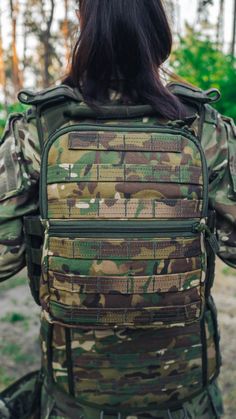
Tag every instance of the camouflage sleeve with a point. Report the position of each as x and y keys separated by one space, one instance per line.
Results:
x=19 y=173
x=219 y=142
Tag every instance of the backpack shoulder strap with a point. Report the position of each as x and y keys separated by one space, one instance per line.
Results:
x=48 y=107
x=200 y=100
x=62 y=92
x=193 y=94
x=54 y=94
x=58 y=106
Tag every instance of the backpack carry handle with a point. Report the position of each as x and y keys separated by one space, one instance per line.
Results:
x=104 y=112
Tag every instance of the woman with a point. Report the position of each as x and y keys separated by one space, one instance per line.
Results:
x=117 y=62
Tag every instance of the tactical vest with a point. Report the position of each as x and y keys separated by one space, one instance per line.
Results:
x=128 y=252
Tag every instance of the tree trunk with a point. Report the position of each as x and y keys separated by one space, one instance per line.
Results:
x=47 y=61
x=234 y=31
x=220 y=26
x=25 y=36
x=66 y=31
x=2 y=64
x=3 y=78
x=16 y=76
x=46 y=38
x=202 y=10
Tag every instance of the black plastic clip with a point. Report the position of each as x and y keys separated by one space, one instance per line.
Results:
x=185 y=413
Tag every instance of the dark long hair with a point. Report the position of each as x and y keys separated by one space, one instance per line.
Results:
x=123 y=44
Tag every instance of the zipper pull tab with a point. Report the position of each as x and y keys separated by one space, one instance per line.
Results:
x=210 y=237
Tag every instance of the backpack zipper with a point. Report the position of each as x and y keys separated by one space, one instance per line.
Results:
x=122 y=228
x=94 y=127
x=133 y=229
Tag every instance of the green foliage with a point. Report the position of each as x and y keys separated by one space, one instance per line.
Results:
x=17 y=107
x=201 y=63
x=227 y=271
x=5 y=379
x=197 y=60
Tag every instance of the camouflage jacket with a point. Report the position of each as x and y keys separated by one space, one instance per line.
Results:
x=20 y=171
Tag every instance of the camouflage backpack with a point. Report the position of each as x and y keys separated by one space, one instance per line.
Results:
x=128 y=252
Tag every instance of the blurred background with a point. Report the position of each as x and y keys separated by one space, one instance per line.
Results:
x=36 y=37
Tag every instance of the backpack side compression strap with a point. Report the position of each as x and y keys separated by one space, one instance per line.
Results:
x=34 y=234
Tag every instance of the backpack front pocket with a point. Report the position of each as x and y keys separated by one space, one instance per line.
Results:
x=130 y=274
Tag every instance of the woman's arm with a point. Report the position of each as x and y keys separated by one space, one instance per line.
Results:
x=219 y=143
x=19 y=174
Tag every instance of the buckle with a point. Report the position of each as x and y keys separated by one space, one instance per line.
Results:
x=102 y=413
x=185 y=414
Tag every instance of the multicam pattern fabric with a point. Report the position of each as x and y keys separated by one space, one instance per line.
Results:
x=71 y=167
x=19 y=172
x=121 y=180
x=23 y=402
x=208 y=405
x=121 y=375
x=140 y=367
x=97 y=277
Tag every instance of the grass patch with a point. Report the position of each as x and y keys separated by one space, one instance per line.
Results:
x=13 y=283
x=5 y=380
x=14 y=318
x=10 y=349
x=227 y=271
x=13 y=351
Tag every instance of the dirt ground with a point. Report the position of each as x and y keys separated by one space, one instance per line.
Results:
x=19 y=326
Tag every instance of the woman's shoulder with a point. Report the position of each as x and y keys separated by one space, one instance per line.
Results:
x=21 y=138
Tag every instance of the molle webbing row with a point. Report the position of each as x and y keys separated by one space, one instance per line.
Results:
x=129 y=317
x=125 y=285
x=123 y=173
x=125 y=142
x=124 y=249
x=125 y=208
x=112 y=174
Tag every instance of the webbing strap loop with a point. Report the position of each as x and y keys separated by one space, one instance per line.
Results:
x=36 y=255
x=33 y=226
x=49 y=346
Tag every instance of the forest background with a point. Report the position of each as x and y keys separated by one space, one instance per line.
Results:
x=36 y=38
